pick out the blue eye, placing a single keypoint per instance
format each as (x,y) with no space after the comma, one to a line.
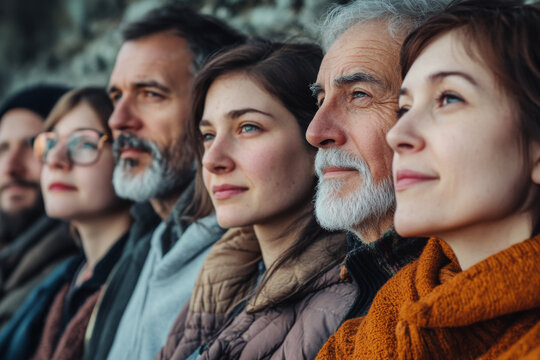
(207,137)
(359,94)
(89,145)
(447,98)
(247,128)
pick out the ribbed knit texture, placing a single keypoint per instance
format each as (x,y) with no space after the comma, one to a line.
(433,310)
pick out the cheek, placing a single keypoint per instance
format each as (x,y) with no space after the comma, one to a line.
(44,179)
(287,170)
(95,181)
(370,145)
(35,167)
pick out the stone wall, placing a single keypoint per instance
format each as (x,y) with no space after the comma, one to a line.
(74,42)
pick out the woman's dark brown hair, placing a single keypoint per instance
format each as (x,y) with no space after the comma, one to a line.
(503,35)
(285,71)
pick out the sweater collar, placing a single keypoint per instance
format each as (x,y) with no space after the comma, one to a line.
(390,252)
(478,294)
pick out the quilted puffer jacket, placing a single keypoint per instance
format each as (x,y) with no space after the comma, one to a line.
(280,323)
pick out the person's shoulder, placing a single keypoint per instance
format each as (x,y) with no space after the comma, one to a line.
(332,295)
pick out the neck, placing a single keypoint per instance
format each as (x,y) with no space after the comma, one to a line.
(373,229)
(477,242)
(164,207)
(98,235)
(277,236)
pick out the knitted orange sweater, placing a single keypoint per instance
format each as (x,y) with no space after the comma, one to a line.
(433,310)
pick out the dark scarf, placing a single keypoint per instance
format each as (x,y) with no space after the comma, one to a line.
(371,265)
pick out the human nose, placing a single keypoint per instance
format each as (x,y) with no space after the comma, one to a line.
(124,117)
(57,157)
(405,136)
(216,158)
(325,130)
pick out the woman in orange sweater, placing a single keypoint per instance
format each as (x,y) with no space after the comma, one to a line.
(467,173)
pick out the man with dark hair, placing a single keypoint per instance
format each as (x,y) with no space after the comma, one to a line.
(31,244)
(150,88)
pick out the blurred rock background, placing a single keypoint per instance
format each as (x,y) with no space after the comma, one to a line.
(74,42)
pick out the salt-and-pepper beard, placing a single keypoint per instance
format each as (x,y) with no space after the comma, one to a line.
(168,172)
(356,210)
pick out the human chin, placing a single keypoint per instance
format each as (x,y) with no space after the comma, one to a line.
(335,210)
(408,219)
(230,216)
(14,204)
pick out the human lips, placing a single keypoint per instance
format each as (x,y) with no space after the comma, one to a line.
(335,172)
(226,191)
(18,185)
(407,178)
(58,186)
(131,152)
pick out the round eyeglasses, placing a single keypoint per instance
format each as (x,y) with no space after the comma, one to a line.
(83,146)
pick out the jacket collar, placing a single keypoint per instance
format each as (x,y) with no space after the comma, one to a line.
(230,272)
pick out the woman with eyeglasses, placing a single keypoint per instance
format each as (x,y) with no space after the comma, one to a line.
(76,182)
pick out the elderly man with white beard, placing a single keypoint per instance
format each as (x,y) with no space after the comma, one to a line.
(356,90)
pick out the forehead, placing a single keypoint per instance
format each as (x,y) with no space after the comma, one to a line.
(448,54)
(162,57)
(81,116)
(367,48)
(236,91)
(20,124)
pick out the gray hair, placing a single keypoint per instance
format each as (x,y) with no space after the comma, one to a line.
(403,16)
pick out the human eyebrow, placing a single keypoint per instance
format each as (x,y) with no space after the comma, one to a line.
(443,74)
(234,114)
(316,89)
(358,77)
(204,123)
(152,84)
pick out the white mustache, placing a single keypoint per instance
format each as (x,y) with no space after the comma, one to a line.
(335,157)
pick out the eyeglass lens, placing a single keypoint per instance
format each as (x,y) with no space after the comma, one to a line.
(82,146)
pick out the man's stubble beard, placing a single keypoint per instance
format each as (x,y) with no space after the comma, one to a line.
(167,174)
(14,224)
(361,208)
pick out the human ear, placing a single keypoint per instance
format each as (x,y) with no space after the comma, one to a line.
(535,158)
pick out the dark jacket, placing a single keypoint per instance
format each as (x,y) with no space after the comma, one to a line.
(20,338)
(120,285)
(29,259)
(275,324)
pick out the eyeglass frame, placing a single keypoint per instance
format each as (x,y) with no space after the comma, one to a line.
(103,138)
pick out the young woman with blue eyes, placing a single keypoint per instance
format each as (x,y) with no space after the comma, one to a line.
(466,173)
(270,288)
(76,182)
